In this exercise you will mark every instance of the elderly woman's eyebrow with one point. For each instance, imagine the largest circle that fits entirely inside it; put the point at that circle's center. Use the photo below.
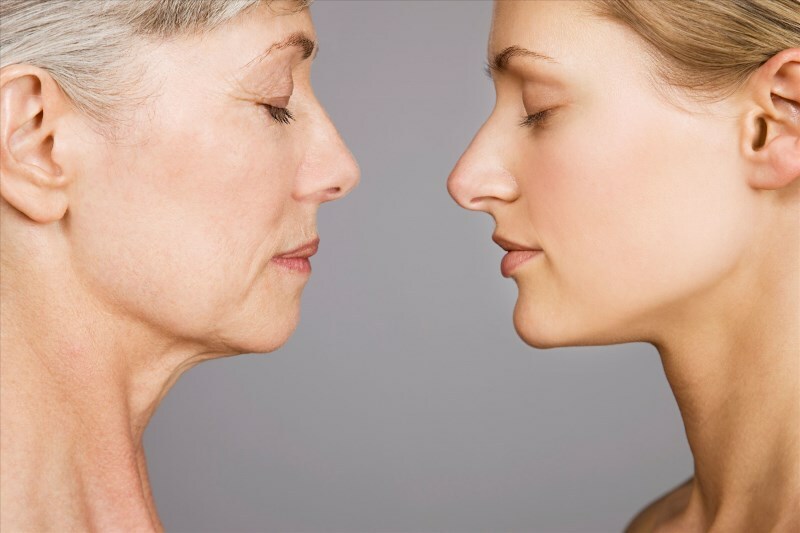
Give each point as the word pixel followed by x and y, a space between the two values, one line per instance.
pixel 499 62
pixel 298 39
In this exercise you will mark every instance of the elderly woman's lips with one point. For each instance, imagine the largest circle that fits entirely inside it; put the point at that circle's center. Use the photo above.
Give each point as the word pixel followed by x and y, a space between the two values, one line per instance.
pixel 514 259
pixel 306 250
pixel 297 259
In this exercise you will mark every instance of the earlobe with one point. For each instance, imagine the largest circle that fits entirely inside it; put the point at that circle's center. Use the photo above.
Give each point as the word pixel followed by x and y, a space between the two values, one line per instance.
pixel 771 133
pixel 31 180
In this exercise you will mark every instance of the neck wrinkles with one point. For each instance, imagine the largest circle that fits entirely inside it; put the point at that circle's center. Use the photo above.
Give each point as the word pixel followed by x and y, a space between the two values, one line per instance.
pixel 79 385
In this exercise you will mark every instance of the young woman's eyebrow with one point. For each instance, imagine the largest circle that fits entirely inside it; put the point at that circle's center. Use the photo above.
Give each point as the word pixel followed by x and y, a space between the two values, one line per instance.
pixel 499 62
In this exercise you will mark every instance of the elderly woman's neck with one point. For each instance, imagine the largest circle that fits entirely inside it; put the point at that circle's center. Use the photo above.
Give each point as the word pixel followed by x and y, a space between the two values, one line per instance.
pixel 77 391
pixel 735 372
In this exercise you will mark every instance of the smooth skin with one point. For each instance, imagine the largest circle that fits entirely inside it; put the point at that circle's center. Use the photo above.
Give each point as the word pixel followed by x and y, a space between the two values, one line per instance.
pixel 664 220
pixel 127 260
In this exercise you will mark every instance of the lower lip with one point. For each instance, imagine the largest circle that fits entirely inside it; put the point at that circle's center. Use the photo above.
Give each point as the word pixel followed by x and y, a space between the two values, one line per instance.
pixel 513 260
pixel 295 264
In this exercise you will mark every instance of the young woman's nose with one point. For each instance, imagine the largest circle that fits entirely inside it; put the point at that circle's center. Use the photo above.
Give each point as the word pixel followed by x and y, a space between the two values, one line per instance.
pixel 328 171
pixel 479 179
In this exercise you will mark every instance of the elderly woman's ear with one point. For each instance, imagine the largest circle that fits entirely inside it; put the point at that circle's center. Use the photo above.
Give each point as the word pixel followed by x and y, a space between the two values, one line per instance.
pixel 771 139
pixel 32 138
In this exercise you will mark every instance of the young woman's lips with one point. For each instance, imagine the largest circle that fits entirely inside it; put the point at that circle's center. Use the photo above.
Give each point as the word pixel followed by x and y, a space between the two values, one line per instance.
pixel 513 259
pixel 297 260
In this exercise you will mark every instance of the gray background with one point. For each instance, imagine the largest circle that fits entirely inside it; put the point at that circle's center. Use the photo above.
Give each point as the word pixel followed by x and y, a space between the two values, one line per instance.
pixel 405 402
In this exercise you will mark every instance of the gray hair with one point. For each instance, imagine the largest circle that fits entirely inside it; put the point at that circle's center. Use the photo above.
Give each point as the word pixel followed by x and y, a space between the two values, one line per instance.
pixel 86 45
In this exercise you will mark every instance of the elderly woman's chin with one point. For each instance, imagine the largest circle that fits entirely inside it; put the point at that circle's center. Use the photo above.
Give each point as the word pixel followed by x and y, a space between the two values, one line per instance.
pixel 254 333
pixel 265 329
pixel 261 323
pixel 256 317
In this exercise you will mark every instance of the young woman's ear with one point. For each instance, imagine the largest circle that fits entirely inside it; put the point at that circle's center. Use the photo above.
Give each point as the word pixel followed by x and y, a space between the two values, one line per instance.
pixel 771 133
pixel 31 178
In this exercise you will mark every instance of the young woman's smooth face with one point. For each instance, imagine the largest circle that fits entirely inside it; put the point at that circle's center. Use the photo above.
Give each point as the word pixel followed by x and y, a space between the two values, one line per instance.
pixel 637 201
pixel 181 221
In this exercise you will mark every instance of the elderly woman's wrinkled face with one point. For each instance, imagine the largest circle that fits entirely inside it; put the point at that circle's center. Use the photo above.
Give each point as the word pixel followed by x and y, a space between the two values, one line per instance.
pixel 637 204
pixel 200 217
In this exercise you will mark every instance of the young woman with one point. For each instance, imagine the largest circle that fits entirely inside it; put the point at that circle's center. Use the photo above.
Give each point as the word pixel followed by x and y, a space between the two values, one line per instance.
pixel 162 166
pixel 642 165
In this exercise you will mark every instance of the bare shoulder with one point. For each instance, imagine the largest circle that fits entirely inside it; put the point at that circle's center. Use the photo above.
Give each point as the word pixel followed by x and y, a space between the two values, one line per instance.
pixel 661 509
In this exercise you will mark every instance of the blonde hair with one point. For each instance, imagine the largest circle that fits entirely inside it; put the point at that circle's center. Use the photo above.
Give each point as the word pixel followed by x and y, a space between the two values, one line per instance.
pixel 708 47
pixel 86 45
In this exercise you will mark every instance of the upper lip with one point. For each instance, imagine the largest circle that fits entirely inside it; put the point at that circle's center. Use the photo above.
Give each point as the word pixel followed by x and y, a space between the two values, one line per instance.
pixel 511 246
pixel 306 250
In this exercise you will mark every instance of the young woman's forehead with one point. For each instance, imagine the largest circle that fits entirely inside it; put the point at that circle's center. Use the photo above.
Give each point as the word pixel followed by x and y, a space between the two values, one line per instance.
pixel 553 30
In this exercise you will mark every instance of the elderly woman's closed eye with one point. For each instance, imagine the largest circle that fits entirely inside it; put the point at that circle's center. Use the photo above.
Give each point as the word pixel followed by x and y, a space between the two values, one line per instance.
pixel 162 167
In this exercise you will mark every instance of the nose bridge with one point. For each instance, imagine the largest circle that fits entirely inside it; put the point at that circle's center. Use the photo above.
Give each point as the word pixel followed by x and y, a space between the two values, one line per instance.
pixel 328 171
pixel 480 175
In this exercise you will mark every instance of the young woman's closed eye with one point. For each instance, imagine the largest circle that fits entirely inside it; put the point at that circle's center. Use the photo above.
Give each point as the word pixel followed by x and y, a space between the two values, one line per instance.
pixel 642 166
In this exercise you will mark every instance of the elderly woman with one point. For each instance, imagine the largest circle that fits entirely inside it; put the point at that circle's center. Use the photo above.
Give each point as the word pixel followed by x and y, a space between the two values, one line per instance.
pixel 162 165
pixel 642 165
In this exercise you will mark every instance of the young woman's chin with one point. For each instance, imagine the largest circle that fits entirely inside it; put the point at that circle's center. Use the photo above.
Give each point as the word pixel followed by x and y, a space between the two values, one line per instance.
pixel 541 324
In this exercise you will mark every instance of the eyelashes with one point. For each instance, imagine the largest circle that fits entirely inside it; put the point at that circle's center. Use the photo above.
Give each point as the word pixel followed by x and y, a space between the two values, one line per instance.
pixel 537 119
pixel 283 116
pixel 279 114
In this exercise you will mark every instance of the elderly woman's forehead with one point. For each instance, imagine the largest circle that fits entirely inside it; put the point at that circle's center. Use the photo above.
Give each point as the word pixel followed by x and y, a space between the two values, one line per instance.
pixel 263 39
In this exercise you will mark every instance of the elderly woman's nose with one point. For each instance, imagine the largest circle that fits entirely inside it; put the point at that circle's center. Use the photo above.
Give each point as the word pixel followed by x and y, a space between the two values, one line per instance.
pixel 329 171
pixel 480 178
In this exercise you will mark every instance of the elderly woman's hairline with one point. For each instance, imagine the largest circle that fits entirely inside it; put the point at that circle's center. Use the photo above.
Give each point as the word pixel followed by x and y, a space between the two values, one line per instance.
pixel 85 46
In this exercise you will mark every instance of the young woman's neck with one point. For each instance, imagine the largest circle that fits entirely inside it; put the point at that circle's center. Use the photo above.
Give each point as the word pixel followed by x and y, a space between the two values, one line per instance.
pixel 734 368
